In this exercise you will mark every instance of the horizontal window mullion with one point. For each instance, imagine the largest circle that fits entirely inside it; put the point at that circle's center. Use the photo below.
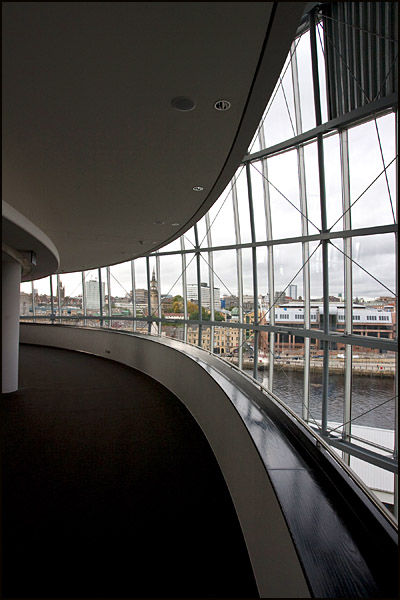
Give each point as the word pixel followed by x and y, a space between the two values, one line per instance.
pixel 353 340
pixel 346 233
pixel 348 120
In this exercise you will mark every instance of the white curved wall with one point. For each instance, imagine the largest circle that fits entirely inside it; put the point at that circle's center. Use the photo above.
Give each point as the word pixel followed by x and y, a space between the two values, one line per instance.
pixel 275 563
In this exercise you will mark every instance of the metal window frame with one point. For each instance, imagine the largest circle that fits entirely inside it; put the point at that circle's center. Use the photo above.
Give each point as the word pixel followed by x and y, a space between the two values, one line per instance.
pixel 339 125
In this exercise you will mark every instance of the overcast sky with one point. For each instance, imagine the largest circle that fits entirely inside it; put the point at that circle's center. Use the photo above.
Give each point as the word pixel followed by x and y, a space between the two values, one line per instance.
pixel 376 254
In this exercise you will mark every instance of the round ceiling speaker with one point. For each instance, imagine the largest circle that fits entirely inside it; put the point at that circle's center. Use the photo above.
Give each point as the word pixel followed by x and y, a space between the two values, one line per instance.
pixel 183 103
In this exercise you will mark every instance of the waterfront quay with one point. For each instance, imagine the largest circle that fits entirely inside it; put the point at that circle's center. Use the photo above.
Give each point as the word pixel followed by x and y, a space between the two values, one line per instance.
pixel 363 365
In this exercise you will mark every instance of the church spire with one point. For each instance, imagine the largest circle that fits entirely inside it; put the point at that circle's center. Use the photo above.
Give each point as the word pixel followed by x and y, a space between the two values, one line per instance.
pixel 153 283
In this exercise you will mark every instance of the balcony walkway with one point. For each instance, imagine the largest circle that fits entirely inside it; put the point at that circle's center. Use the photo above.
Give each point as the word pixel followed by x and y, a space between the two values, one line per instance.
pixel 110 489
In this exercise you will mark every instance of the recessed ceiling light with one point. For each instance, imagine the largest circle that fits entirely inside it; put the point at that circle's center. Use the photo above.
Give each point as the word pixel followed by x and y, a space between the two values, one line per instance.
pixel 222 105
pixel 198 188
pixel 184 104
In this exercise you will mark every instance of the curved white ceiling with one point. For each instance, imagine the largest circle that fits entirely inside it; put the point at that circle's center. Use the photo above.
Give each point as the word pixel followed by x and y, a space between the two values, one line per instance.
pixel 94 152
pixel 27 244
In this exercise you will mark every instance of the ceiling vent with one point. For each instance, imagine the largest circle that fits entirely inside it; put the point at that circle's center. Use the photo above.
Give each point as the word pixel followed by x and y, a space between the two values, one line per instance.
pixel 222 105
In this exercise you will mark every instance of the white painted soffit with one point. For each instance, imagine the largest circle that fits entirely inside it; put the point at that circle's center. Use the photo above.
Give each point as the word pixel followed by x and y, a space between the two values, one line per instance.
pixel 21 238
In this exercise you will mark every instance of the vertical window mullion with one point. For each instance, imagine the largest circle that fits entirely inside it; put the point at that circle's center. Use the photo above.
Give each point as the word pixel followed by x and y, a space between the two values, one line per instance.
pixel 133 282
pixel 148 295
pixel 58 298
pixel 254 264
pixel 348 289
pixel 33 301
pixel 270 251
pixel 324 227
pixel 84 298
pixel 211 279
pixel 304 230
pixel 158 292
pixel 184 289
pixel 101 299
pixel 396 414
pixel 51 300
pixel 198 267
pixel 109 296
pixel 239 268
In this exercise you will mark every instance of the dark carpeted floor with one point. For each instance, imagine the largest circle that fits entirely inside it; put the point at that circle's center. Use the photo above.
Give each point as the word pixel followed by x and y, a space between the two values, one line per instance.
pixel 110 489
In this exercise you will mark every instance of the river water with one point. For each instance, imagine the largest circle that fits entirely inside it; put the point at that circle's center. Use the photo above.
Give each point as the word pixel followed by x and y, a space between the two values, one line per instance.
pixel 367 394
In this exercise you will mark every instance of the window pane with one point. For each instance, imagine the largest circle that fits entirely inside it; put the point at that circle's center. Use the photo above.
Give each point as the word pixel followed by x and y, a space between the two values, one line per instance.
pixel 333 182
pixel 42 297
pixel 192 288
pixel 121 295
pixel 372 205
pixel 243 206
pixel 303 53
pixel 225 272
pixel 189 239
pixel 312 187
pixel 222 221
pixel 287 271
pixel 141 294
pixel 316 286
pixel 202 232
pixel 284 193
pixel 25 299
pixel 171 286
pixel 175 245
pixel 279 116
pixel 374 275
pixel 71 295
pixel 257 187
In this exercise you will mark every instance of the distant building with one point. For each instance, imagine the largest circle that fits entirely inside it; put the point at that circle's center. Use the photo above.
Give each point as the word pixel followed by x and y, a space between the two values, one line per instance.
pixel 167 304
pixel 248 302
pixel 367 321
pixel 226 339
pixel 25 304
pixel 174 316
pixel 279 297
pixel 92 292
pixel 192 293
pixel 62 291
pixel 293 291
pixel 230 301
pixel 141 296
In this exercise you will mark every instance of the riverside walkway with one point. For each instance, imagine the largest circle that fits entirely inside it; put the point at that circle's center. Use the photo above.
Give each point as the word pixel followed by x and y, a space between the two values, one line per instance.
pixel 374 367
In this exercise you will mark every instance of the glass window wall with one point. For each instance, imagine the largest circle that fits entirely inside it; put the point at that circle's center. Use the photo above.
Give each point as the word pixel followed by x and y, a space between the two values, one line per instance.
pixel 300 300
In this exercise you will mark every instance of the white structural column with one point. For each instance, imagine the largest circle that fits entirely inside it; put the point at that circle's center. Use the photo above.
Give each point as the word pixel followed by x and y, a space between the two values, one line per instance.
pixel 305 246
pixel 348 289
pixel 11 280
